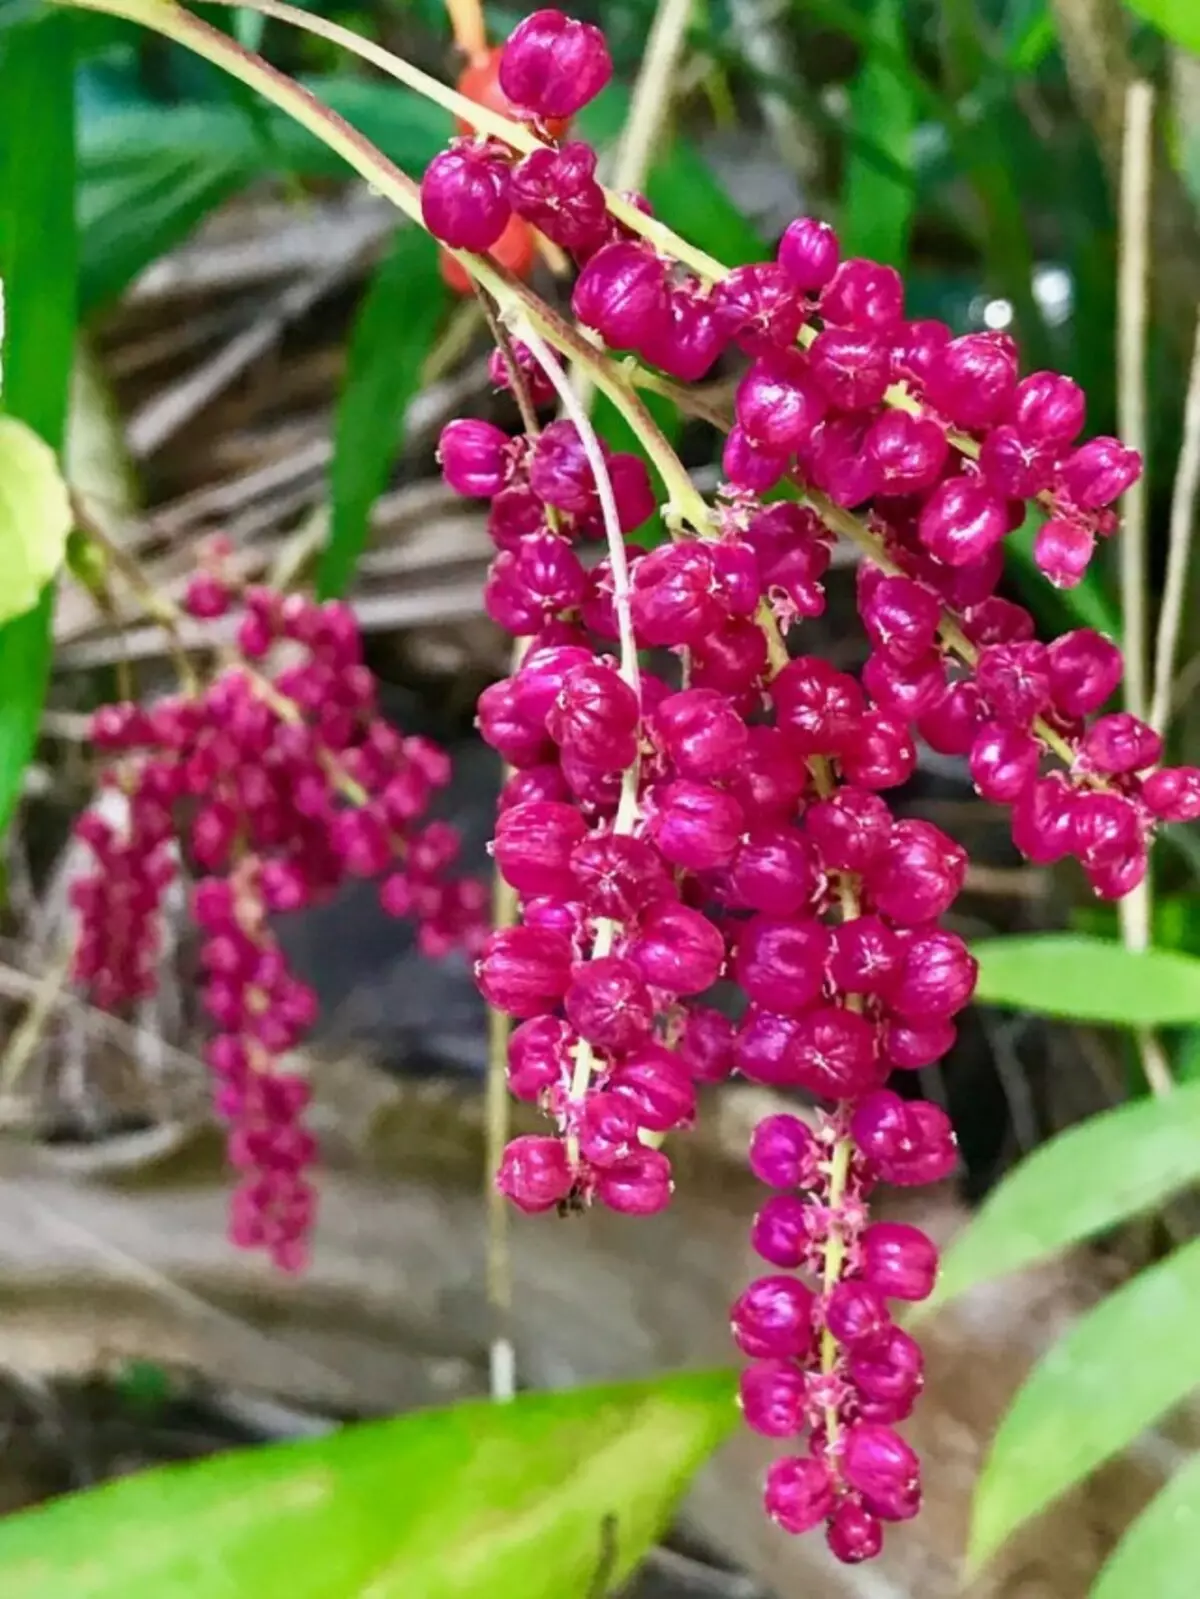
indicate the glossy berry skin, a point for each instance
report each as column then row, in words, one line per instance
column 464, row 197
column 551, row 65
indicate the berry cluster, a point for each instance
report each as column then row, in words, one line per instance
column 272, row 786
column 714, row 814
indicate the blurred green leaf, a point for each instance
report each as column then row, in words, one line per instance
column 1156, row 1559
column 481, row 1501
column 35, row 517
column 1112, row 1375
column 877, row 207
column 149, row 173
column 38, row 270
column 393, row 334
column 1087, row 1179
column 1178, row 19
column 1088, row 980
column 1028, row 35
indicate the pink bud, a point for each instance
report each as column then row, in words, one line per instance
column 639, row 1186
column 1099, row 472
column 961, row 521
column 551, row 65
column 622, row 293
column 1063, row 550
column 1085, row 668
column 1120, row 743
column 780, row 963
column 696, row 825
column 899, row 1260
column 773, row 1318
column 864, row 295
column 475, row 457
column 854, row 1534
column 1173, row 794
column 777, row 403
column 808, row 253
column 677, row 949
column 973, row 378
column 909, row 451
column 799, row 1492
column 1004, row 762
column 783, row 1152
column 772, row 1398
column 464, row 196
column 608, row 1003
column 534, row 1173
column 1047, row 408
column 850, row 366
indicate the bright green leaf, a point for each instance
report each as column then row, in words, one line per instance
column 482, row 1501
column 392, row 337
column 1156, row 1559
column 1087, row 1179
column 1178, row 19
column 878, row 204
column 38, row 269
column 1089, row 980
column 1120, row 1368
column 35, row 517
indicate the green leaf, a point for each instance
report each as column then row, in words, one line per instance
column 37, row 222
column 391, row 339
column 1089, row 980
column 526, row 1500
column 35, row 517
column 1178, row 19
column 1106, row 1380
column 38, row 270
column 878, row 205
column 1087, row 1179
column 1156, row 1559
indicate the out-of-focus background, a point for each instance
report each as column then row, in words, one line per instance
column 261, row 352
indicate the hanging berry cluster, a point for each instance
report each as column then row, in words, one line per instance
column 721, row 816
column 271, row 787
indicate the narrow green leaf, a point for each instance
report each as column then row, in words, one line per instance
column 533, row 1500
column 1089, row 980
column 35, row 517
column 1178, row 19
column 37, row 222
column 1156, row 1559
column 1029, row 35
column 877, row 205
column 392, row 337
column 1087, row 1179
column 38, row 270
column 1120, row 1368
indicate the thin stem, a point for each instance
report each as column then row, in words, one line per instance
column 627, row 808
column 649, row 108
column 469, row 28
column 515, row 134
column 1183, row 522
column 1133, row 275
column 1137, row 158
column 650, row 103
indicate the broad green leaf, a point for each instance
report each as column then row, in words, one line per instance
column 528, row 1500
column 877, row 206
column 392, row 337
column 1156, row 1559
column 1178, row 19
column 1087, row 1179
column 35, row 517
column 38, row 270
column 1112, row 1375
column 1089, row 980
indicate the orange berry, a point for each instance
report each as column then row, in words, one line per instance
column 514, row 249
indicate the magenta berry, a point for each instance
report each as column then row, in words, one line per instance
column 552, row 66
column 464, row 196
